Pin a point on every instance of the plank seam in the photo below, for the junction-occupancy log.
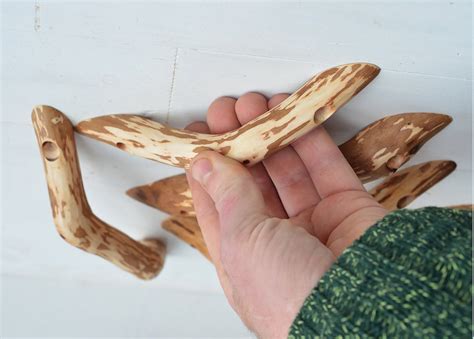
(173, 80)
(314, 62)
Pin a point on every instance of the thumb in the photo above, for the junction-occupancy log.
(237, 198)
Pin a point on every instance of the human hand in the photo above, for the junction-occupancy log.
(274, 229)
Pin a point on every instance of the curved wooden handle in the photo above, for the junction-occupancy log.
(187, 229)
(376, 151)
(305, 109)
(171, 195)
(72, 214)
(400, 189)
(382, 147)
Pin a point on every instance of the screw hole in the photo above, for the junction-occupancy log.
(50, 150)
(322, 114)
(396, 162)
(414, 149)
(120, 145)
(404, 201)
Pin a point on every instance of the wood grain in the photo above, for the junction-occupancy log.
(376, 151)
(382, 147)
(400, 189)
(170, 195)
(305, 109)
(188, 230)
(72, 214)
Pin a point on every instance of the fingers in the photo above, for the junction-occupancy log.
(198, 126)
(333, 224)
(290, 176)
(237, 199)
(329, 170)
(222, 117)
(276, 99)
(249, 106)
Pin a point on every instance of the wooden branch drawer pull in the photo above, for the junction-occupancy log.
(400, 189)
(376, 151)
(187, 229)
(171, 195)
(305, 109)
(72, 214)
(382, 147)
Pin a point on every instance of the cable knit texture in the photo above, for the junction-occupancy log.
(408, 276)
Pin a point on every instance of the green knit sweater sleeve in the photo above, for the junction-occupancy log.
(408, 276)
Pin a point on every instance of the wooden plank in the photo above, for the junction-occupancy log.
(60, 309)
(83, 76)
(417, 36)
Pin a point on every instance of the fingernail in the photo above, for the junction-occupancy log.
(201, 169)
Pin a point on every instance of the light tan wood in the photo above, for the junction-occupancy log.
(382, 147)
(400, 189)
(188, 230)
(305, 109)
(376, 151)
(72, 214)
(170, 195)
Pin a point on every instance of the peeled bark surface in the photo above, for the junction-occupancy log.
(377, 150)
(305, 109)
(188, 230)
(400, 189)
(384, 146)
(170, 195)
(72, 214)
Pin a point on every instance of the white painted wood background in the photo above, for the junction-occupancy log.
(168, 60)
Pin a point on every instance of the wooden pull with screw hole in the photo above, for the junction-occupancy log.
(382, 147)
(305, 109)
(72, 214)
(372, 153)
(400, 189)
(170, 195)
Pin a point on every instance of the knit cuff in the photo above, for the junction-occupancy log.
(407, 276)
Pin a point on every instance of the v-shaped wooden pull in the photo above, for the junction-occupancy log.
(400, 189)
(74, 219)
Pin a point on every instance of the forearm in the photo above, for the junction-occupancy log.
(408, 275)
